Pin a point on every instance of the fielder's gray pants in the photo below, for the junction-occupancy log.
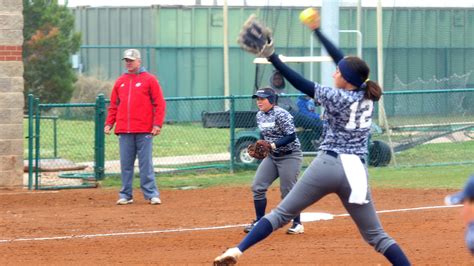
(326, 175)
(131, 146)
(286, 167)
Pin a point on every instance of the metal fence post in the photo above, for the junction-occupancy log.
(55, 137)
(99, 137)
(37, 141)
(30, 140)
(232, 132)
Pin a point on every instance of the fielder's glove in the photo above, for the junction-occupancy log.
(260, 149)
(256, 38)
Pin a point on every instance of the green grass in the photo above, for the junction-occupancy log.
(452, 176)
(440, 152)
(449, 177)
(76, 143)
(194, 179)
(75, 140)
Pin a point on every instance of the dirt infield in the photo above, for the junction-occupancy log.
(86, 227)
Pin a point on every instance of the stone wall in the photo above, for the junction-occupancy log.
(11, 93)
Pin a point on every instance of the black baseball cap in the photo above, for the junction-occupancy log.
(466, 193)
(264, 93)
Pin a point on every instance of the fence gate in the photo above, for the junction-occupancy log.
(61, 152)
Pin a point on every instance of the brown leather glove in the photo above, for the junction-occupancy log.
(260, 149)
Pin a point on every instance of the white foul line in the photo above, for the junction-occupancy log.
(409, 209)
(190, 229)
(122, 233)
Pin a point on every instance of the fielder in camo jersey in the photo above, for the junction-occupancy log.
(348, 111)
(284, 161)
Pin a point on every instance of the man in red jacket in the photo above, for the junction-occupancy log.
(137, 109)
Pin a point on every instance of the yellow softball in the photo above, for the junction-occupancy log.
(308, 15)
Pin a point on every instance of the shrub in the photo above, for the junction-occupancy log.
(87, 88)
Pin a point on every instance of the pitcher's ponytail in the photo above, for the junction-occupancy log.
(372, 90)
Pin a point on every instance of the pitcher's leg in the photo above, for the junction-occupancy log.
(369, 226)
(304, 193)
(315, 183)
(127, 160)
(145, 163)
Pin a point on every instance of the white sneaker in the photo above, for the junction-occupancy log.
(123, 201)
(228, 258)
(295, 229)
(155, 201)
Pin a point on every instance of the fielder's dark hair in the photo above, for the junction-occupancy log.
(372, 89)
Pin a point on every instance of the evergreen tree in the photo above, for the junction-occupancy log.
(49, 42)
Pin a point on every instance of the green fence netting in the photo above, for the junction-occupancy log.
(421, 127)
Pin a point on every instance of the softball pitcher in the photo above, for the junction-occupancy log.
(277, 128)
(339, 167)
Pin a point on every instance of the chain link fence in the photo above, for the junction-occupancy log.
(427, 127)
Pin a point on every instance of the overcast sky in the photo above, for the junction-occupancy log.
(368, 3)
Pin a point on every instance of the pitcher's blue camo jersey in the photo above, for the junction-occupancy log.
(276, 124)
(348, 112)
(348, 118)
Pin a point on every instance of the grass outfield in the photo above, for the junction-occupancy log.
(439, 152)
(75, 140)
(449, 177)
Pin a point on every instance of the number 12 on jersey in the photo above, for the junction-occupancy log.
(365, 119)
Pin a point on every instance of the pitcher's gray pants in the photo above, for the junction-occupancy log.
(326, 175)
(131, 146)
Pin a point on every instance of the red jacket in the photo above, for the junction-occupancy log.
(136, 103)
